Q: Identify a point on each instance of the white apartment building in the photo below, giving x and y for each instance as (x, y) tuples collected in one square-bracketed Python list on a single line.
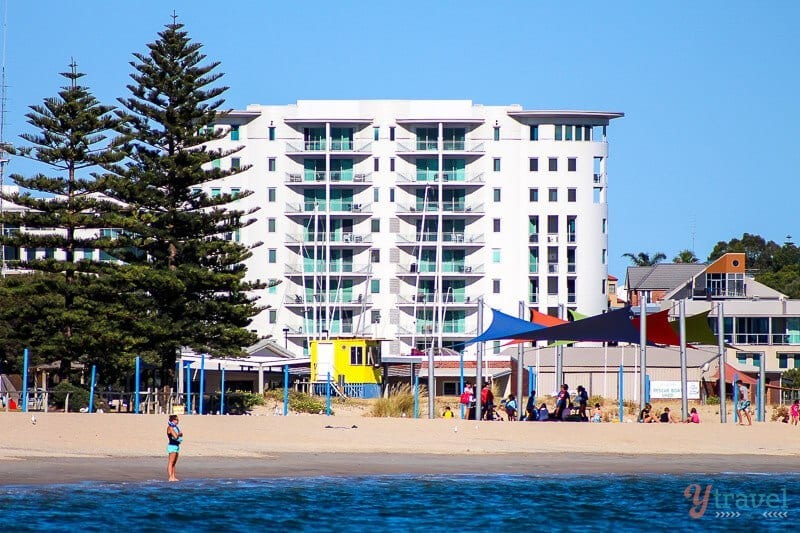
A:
[(390, 218)]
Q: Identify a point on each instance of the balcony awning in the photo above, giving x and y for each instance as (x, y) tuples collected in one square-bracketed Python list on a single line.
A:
[(599, 117), (312, 120), (442, 120)]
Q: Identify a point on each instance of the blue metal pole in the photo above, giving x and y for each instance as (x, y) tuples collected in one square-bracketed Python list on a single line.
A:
[(202, 383), (138, 386), (188, 388), (620, 385), (25, 381), (91, 389), (735, 398), (647, 388), (530, 381), (285, 390), (222, 394), (461, 381), (533, 383), (328, 395), (762, 383), (416, 396)]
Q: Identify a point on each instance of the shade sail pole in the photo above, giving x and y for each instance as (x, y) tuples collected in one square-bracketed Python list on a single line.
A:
[(560, 352), (642, 349), (520, 355), (723, 407), (479, 363), (684, 385)]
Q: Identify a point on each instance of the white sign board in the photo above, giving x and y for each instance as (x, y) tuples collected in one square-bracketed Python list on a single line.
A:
[(672, 389)]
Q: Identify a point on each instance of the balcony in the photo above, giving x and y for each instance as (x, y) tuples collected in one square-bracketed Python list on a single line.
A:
[(461, 239), (332, 297), (462, 145), (349, 146), (333, 206), (450, 299), (447, 268), (323, 267), (308, 239), (334, 176), (454, 206), (456, 177)]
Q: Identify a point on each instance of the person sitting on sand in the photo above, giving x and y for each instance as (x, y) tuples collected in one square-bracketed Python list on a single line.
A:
[(175, 438), (597, 414), (562, 400), (646, 416), (448, 413), (666, 417), (531, 413), (544, 414), (795, 412), (694, 418), (567, 412)]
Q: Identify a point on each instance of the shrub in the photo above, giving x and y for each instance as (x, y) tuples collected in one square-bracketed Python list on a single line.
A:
[(780, 413), (299, 402), (400, 402), (712, 400), (78, 397), (596, 399), (236, 402)]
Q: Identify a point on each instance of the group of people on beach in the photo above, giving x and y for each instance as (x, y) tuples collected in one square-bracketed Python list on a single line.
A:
[(567, 408), (648, 416)]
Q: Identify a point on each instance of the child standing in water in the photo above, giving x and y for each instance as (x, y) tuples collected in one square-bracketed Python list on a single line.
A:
[(175, 437)]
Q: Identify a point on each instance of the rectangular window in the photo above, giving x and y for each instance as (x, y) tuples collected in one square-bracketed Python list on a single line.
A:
[(235, 191), (391, 133), (496, 255), (273, 316), (375, 316), (374, 286), (216, 163), (271, 225), (375, 225), (496, 164), (271, 194), (572, 164), (567, 133), (552, 164), (534, 132), (376, 164), (597, 193), (271, 133), (578, 133), (376, 133), (497, 133), (235, 133), (495, 347), (272, 164), (375, 255), (376, 195), (272, 255), (572, 195), (552, 195), (533, 195), (496, 195), (552, 284), (215, 192), (602, 286), (391, 164), (605, 225), (783, 360), (587, 133), (391, 194), (495, 286), (533, 164), (356, 355), (236, 163), (552, 224), (604, 256), (496, 225), (559, 132)]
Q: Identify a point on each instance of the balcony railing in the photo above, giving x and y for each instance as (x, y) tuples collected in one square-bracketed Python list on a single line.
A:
[(322, 207), (432, 176), (462, 146), (447, 238), (571, 298), (571, 237), (447, 268), (570, 268), (533, 268), (299, 146), (323, 267), (715, 292), (454, 206), (430, 297), (552, 268), (332, 237), (533, 298), (533, 237), (335, 176), (448, 145), (328, 297)]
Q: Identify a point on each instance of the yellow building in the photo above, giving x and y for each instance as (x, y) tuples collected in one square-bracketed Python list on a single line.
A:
[(352, 365)]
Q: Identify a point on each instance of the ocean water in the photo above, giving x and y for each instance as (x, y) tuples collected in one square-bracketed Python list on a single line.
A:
[(431, 503)]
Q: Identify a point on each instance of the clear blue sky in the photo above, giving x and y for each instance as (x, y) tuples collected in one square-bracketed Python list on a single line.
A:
[(709, 89)]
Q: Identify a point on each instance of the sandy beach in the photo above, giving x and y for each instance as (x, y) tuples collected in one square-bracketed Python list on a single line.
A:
[(73, 447)]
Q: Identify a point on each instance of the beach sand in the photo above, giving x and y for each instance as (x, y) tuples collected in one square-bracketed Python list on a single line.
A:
[(118, 447)]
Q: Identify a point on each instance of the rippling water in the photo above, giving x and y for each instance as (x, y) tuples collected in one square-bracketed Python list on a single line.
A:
[(413, 503)]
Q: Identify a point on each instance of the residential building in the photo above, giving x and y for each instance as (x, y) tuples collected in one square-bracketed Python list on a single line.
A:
[(391, 218)]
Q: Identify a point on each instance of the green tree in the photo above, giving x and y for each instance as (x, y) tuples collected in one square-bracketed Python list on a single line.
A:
[(58, 311), (791, 378), (685, 256), (645, 259), (188, 275), (759, 253)]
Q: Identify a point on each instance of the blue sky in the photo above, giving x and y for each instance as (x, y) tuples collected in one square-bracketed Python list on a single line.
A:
[(709, 89)]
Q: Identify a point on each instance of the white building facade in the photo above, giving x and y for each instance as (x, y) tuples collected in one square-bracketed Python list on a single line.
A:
[(391, 218)]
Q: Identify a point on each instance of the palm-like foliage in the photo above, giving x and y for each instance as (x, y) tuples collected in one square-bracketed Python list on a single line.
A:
[(645, 259), (685, 256)]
